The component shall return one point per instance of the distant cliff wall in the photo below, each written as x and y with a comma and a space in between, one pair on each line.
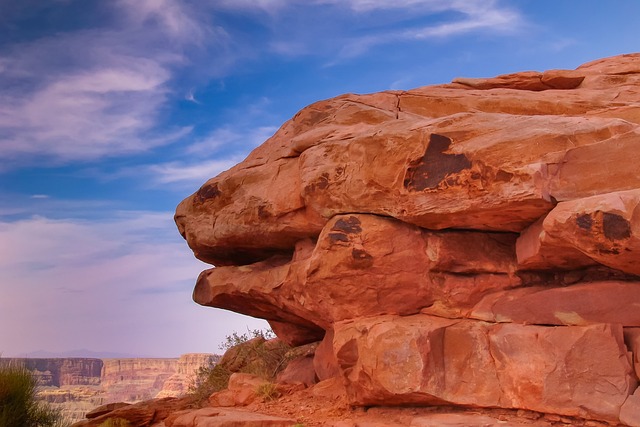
188, 365
61, 372
77, 385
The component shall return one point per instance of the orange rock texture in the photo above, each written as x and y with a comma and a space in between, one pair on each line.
474, 243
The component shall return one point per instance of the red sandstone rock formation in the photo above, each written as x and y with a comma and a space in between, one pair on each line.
474, 243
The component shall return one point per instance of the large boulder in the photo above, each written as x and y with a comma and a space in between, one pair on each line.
601, 229
473, 243
577, 371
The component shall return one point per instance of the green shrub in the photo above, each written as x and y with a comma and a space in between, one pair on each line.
116, 422
236, 339
253, 353
209, 380
19, 406
268, 391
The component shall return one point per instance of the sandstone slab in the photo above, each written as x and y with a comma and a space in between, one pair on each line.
632, 339
575, 371
140, 414
630, 411
224, 417
364, 265
324, 360
105, 409
602, 229
580, 304
610, 163
299, 371
460, 420
528, 80
242, 390
367, 265
257, 290
485, 155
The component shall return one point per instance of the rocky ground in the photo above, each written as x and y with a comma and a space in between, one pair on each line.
325, 405
312, 408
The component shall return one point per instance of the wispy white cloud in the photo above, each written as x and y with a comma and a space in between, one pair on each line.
126, 282
368, 5
288, 48
470, 16
191, 174
85, 115
231, 138
86, 94
477, 18
176, 18
261, 5
45, 205
191, 96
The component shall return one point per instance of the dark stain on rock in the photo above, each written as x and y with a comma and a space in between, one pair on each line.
608, 251
348, 355
227, 256
208, 191
361, 255
321, 183
615, 227
585, 222
502, 176
349, 225
338, 237
263, 213
432, 169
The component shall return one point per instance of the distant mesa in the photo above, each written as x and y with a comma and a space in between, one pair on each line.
82, 353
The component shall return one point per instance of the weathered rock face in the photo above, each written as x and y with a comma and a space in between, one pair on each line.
577, 371
474, 243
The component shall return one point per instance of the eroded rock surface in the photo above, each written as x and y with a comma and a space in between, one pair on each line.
474, 243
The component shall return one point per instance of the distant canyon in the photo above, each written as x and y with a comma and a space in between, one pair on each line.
77, 385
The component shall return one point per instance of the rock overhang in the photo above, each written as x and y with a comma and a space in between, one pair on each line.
465, 202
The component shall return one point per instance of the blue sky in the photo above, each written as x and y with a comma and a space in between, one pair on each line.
111, 112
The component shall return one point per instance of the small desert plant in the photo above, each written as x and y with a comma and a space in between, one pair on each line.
209, 380
250, 353
116, 422
19, 406
268, 391
236, 339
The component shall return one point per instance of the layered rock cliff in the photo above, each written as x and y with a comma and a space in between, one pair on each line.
61, 371
77, 385
473, 243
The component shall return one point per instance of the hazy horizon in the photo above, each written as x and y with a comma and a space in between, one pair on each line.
85, 354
